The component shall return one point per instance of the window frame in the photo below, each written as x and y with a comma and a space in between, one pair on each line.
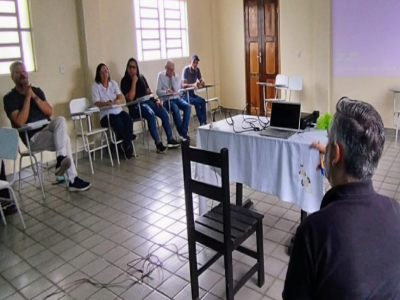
161, 15
19, 29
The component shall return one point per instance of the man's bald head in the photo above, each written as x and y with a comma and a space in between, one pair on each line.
170, 68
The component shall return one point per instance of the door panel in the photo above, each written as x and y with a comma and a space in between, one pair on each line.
269, 17
253, 21
270, 58
254, 64
262, 59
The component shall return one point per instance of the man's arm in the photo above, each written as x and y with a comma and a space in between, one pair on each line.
161, 85
200, 78
18, 117
299, 274
42, 103
185, 83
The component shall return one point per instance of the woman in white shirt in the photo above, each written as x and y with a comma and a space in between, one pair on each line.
106, 92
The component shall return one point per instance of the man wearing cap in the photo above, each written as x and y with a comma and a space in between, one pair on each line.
191, 78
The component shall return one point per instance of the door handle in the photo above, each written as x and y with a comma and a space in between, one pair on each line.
259, 56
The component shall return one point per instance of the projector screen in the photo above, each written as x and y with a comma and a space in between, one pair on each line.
366, 37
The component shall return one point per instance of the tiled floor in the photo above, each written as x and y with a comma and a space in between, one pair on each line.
129, 211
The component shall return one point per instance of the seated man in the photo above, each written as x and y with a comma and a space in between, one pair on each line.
168, 83
191, 78
350, 248
26, 104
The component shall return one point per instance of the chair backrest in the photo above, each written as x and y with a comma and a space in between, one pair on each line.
8, 143
77, 106
217, 193
281, 81
296, 83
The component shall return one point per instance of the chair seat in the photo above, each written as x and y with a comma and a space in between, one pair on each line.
4, 184
212, 99
94, 131
243, 224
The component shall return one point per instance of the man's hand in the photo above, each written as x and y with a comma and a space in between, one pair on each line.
321, 148
110, 103
28, 92
158, 103
202, 83
170, 91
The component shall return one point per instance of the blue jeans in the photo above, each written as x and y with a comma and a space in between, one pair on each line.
149, 112
122, 125
176, 105
200, 106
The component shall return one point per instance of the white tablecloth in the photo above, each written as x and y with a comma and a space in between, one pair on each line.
285, 168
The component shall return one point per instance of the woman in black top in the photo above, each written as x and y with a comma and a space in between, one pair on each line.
134, 86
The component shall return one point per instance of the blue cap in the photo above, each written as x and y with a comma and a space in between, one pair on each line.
194, 57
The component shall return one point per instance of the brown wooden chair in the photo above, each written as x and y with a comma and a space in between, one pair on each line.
224, 228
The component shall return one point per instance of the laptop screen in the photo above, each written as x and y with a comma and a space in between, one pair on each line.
285, 115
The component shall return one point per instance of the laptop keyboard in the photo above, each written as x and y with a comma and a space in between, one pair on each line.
283, 134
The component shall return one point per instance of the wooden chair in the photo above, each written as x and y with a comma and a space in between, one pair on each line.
224, 228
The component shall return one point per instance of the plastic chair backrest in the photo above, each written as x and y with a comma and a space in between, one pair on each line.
281, 81
8, 143
77, 106
296, 83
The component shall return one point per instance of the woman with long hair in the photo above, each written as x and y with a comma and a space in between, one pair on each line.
106, 92
134, 85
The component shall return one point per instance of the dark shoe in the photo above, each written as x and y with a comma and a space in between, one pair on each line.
79, 185
161, 148
8, 207
186, 137
62, 165
134, 137
127, 150
172, 143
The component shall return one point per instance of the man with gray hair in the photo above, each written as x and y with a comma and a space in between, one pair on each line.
26, 104
169, 83
350, 249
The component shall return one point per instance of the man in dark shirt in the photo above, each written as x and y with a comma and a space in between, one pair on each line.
350, 249
26, 104
191, 78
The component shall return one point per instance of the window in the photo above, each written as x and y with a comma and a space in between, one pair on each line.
15, 35
161, 29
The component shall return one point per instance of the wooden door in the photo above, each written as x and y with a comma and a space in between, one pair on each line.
262, 50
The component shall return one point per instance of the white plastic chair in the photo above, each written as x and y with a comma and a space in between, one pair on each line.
295, 85
77, 107
9, 150
281, 84
36, 171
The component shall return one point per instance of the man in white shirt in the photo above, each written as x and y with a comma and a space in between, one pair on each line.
169, 83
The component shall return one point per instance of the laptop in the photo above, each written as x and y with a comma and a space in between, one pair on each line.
284, 121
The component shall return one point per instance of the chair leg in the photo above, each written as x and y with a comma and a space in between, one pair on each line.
101, 149
40, 174
228, 274
90, 155
194, 277
108, 147
76, 152
20, 171
17, 205
116, 150
260, 255
2, 216
134, 149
